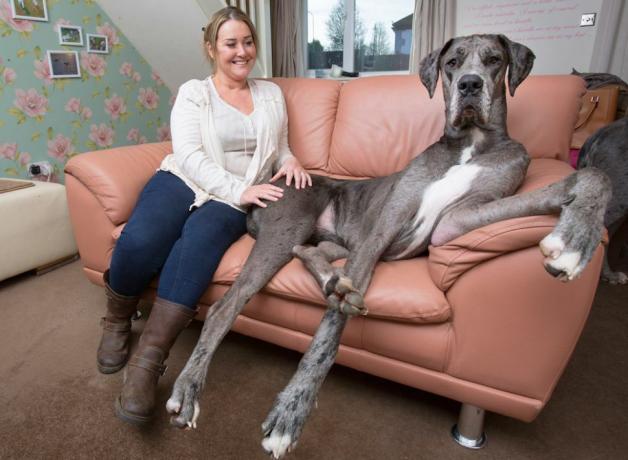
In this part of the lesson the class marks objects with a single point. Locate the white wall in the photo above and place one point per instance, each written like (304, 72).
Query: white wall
(619, 59)
(168, 35)
(549, 27)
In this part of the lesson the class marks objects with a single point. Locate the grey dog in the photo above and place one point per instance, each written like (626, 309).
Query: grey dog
(464, 181)
(607, 150)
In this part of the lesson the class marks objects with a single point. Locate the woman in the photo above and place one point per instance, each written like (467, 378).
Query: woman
(228, 134)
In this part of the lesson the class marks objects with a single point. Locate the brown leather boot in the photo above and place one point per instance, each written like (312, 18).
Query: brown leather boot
(137, 400)
(113, 350)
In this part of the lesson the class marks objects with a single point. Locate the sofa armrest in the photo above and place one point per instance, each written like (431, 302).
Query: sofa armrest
(515, 326)
(102, 188)
(117, 176)
(447, 263)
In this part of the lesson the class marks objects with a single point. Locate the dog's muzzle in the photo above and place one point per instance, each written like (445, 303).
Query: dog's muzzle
(469, 107)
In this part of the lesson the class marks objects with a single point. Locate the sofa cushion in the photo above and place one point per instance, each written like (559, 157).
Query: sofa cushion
(384, 122)
(400, 290)
(542, 172)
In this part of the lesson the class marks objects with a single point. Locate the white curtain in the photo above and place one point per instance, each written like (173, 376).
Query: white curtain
(288, 38)
(433, 24)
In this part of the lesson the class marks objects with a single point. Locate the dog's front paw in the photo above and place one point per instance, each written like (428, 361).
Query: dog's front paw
(568, 252)
(562, 262)
(612, 277)
(183, 403)
(345, 297)
(577, 235)
(285, 421)
(278, 444)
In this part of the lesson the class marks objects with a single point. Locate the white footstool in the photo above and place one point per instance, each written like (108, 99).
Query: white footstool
(35, 231)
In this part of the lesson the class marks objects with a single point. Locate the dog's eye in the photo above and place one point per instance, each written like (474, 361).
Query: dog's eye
(494, 60)
(452, 62)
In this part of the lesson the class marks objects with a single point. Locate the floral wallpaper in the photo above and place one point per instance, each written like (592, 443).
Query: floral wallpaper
(118, 100)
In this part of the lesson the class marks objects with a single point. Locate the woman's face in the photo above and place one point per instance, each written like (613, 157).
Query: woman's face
(235, 52)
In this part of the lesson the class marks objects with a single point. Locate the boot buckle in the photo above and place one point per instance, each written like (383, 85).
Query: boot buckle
(115, 327)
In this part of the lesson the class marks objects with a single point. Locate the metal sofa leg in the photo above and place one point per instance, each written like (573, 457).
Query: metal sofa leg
(469, 431)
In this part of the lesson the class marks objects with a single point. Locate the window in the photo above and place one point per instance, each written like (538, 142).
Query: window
(359, 35)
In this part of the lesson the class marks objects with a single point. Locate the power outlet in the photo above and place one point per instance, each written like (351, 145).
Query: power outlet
(587, 20)
(39, 168)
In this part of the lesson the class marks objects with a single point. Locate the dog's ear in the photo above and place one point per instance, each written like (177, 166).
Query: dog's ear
(429, 67)
(521, 59)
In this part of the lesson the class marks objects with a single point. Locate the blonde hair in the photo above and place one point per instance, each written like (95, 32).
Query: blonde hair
(210, 31)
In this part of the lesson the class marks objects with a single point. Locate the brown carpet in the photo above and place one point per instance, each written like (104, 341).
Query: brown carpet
(55, 404)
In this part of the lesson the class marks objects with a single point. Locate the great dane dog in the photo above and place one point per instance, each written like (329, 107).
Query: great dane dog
(464, 181)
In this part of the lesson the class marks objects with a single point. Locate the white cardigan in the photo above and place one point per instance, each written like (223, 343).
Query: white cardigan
(198, 158)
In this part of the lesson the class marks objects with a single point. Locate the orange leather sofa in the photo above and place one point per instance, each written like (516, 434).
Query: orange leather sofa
(478, 320)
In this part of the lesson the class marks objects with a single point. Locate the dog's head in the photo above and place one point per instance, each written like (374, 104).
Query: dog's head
(473, 70)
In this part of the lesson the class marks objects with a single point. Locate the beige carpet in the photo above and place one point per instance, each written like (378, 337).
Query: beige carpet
(55, 404)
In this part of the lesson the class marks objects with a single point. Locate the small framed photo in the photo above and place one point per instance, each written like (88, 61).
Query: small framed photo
(33, 10)
(97, 44)
(64, 64)
(70, 35)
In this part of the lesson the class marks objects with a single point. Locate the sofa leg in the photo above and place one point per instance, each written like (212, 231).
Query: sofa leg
(469, 431)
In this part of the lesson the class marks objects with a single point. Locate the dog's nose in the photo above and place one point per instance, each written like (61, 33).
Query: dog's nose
(470, 85)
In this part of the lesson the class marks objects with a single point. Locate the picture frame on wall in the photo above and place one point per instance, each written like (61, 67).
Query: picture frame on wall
(97, 44)
(70, 35)
(33, 10)
(64, 64)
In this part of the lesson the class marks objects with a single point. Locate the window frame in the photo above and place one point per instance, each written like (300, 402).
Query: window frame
(348, 56)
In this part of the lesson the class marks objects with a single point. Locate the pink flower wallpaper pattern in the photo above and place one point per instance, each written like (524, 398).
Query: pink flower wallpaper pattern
(118, 99)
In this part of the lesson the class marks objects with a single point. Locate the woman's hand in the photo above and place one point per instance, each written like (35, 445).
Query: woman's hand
(256, 193)
(292, 169)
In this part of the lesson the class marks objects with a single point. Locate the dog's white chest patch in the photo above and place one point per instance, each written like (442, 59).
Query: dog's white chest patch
(467, 153)
(445, 191)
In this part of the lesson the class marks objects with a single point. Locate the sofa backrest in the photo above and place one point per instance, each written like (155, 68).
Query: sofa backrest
(543, 114)
(382, 123)
(374, 126)
(312, 105)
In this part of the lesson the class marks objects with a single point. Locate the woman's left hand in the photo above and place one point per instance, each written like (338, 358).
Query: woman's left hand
(292, 169)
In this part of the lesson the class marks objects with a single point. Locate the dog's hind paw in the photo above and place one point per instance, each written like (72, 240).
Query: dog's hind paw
(345, 297)
(183, 404)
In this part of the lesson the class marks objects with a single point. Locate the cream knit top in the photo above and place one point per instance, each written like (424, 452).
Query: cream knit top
(199, 158)
(236, 131)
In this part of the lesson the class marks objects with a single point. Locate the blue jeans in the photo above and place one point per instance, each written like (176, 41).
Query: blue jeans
(162, 234)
